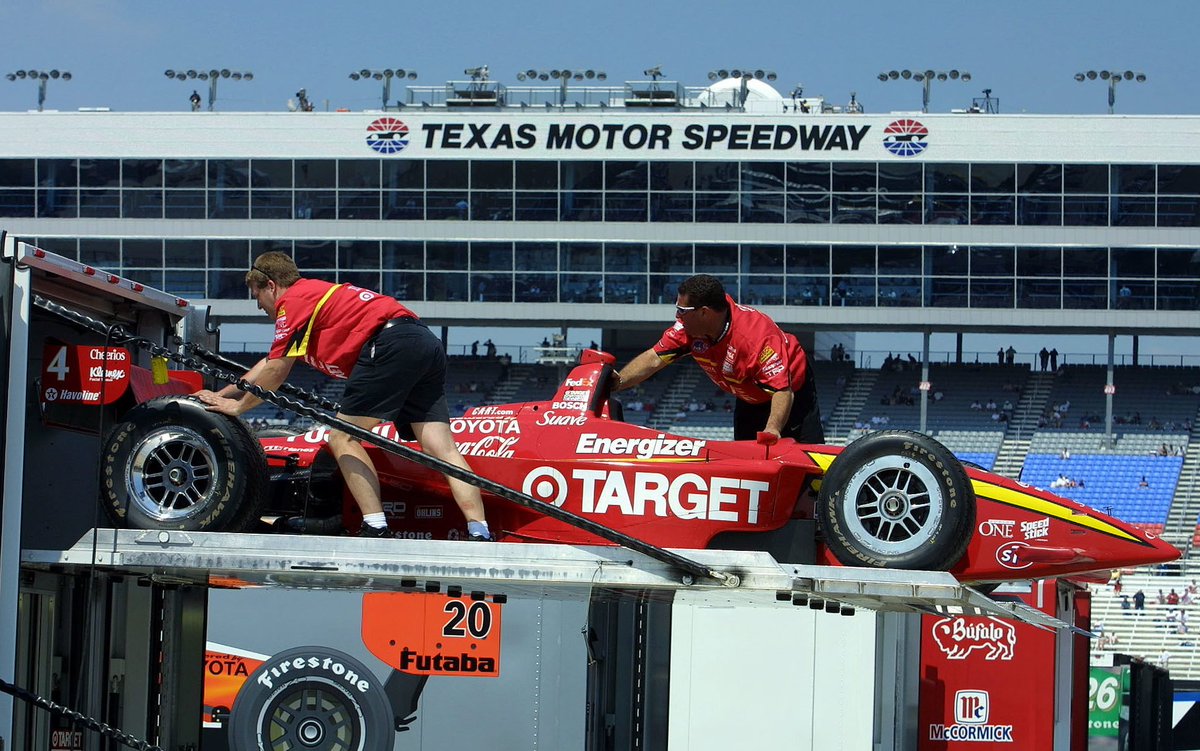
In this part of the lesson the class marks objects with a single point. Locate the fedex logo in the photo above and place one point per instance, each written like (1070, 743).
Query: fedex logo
(959, 637)
(971, 707)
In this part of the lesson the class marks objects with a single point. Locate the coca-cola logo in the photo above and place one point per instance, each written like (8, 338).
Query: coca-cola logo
(959, 637)
(490, 445)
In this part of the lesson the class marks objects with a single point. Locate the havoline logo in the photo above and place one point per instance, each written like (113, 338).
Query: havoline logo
(905, 137)
(387, 135)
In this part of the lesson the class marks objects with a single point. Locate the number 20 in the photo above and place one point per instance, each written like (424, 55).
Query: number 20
(475, 618)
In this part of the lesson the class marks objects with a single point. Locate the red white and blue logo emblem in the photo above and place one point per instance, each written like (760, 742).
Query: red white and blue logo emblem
(905, 137)
(387, 135)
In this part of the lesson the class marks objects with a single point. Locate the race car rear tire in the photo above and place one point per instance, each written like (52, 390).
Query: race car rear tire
(312, 698)
(173, 465)
(897, 499)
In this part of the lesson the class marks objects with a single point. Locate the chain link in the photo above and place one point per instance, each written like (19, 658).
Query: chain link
(77, 718)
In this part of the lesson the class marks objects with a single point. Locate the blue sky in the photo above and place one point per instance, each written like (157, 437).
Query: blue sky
(1026, 52)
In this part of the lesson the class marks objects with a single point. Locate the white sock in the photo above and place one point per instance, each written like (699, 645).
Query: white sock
(376, 520)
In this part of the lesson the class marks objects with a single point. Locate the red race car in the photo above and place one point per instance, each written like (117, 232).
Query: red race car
(891, 499)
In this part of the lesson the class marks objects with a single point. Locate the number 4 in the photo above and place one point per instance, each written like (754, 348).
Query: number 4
(58, 364)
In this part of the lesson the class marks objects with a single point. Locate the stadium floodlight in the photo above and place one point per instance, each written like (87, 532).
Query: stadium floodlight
(1112, 77)
(212, 75)
(42, 77)
(926, 79)
(478, 73)
(563, 76)
(720, 74)
(386, 75)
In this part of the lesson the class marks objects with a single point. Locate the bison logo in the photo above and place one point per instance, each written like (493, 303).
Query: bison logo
(958, 637)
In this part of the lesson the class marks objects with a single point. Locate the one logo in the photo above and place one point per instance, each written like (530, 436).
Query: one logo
(905, 137)
(971, 707)
(387, 135)
(1012, 555)
(997, 528)
(959, 637)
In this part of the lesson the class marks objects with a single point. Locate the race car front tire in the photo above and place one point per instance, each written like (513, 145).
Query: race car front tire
(170, 464)
(897, 499)
(312, 697)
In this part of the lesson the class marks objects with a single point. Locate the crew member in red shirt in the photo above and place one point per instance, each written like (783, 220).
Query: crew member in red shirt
(396, 369)
(746, 354)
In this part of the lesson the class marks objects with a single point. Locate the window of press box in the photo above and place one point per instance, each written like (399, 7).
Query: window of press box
(1085, 178)
(1179, 179)
(57, 173)
(622, 175)
(1039, 178)
(672, 176)
(1133, 178)
(491, 287)
(534, 256)
(491, 256)
(627, 257)
(315, 254)
(1178, 263)
(184, 173)
(141, 173)
(403, 255)
(229, 254)
(17, 173)
(717, 259)
(901, 259)
(947, 177)
(358, 174)
(270, 173)
(185, 254)
(804, 177)
(536, 175)
(446, 256)
(315, 173)
(1039, 262)
(854, 177)
(671, 258)
(763, 176)
(358, 254)
(491, 175)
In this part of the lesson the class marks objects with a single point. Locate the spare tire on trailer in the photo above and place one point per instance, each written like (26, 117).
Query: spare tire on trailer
(312, 698)
(897, 499)
(171, 464)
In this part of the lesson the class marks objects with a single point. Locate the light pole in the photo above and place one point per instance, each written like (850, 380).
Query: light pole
(563, 76)
(42, 77)
(386, 75)
(212, 76)
(1112, 76)
(925, 78)
(744, 75)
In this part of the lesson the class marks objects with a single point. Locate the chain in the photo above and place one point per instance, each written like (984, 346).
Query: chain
(77, 718)
(119, 335)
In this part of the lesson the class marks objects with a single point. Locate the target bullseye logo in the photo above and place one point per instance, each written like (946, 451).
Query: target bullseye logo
(905, 137)
(547, 485)
(387, 135)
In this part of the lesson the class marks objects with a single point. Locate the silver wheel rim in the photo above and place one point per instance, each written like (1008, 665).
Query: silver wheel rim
(894, 505)
(171, 474)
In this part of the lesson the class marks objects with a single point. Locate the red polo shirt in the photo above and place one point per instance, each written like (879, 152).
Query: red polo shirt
(327, 324)
(752, 360)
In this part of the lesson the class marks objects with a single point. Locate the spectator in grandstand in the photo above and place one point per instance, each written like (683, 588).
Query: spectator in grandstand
(1054, 359)
(1139, 600)
(1044, 357)
(1065, 454)
(745, 354)
(1010, 355)
(1144, 482)
(1125, 604)
(975, 405)
(1172, 597)
(1000, 356)
(396, 370)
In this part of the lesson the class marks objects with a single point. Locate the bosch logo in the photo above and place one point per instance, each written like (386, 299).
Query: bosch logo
(387, 135)
(905, 137)
(1012, 555)
(971, 707)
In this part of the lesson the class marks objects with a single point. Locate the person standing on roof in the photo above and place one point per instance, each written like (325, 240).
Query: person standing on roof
(746, 354)
(396, 370)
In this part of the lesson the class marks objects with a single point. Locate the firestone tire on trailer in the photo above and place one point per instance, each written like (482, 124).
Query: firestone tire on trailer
(173, 465)
(312, 698)
(896, 499)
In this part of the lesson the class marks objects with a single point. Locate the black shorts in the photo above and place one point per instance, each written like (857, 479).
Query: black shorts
(400, 376)
(803, 424)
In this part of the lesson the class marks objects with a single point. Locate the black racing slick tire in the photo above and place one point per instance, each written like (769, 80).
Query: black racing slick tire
(170, 464)
(897, 499)
(312, 698)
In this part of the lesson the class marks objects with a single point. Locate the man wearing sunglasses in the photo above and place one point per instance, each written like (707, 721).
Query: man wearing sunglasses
(746, 354)
(395, 365)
